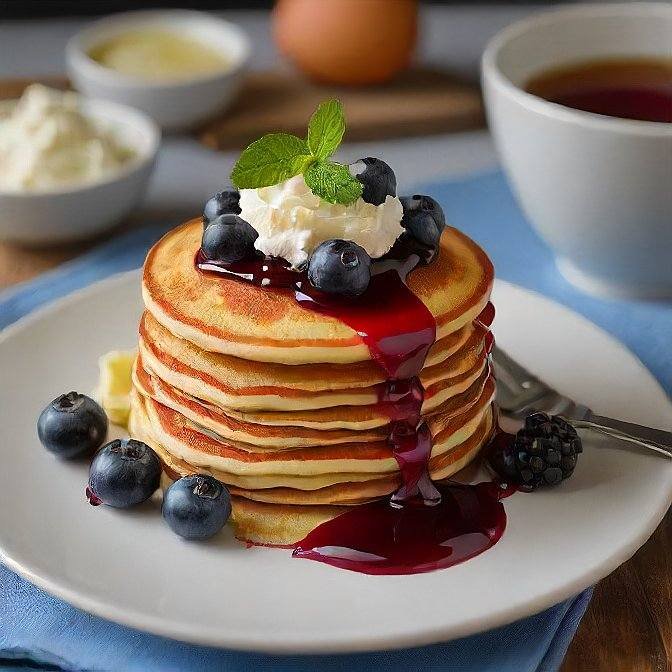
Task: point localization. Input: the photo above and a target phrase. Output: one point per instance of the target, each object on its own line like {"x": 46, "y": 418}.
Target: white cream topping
{"x": 292, "y": 221}
{"x": 46, "y": 142}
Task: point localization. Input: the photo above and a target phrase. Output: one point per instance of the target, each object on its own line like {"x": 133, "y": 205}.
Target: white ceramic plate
{"x": 129, "y": 567}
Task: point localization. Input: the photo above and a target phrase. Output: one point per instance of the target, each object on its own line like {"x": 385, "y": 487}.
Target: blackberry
{"x": 543, "y": 452}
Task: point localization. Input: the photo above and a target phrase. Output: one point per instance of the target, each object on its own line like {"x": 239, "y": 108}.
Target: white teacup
{"x": 598, "y": 189}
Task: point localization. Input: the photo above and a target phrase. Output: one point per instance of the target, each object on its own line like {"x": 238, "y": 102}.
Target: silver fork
{"x": 520, "y": 392}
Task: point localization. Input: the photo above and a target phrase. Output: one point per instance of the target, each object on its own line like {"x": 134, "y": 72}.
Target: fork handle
{"x": 654, "y": 439}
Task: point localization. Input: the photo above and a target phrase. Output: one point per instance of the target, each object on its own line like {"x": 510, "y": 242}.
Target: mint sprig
{"x": 269, "y": 160}
{"x": 333, "y": 182}
{"x": 278, "y": 156}
{"x": 326, "y": 129}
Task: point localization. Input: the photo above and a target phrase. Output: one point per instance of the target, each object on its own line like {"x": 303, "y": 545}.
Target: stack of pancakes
{"x": 281, "y": 403}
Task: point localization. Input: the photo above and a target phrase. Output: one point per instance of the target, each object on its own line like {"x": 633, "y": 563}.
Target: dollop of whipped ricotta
{"x": 46, "y": 142}
{"x": 291, "y": 221}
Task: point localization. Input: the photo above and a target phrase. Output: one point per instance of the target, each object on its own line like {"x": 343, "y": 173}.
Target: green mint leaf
{"x": 333, "y": 182}
{"x": 271, "y": 159}
{"x": 326, "y": 129}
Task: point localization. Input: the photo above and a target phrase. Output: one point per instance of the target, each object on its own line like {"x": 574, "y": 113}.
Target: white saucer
{"x": 129, "y": 567}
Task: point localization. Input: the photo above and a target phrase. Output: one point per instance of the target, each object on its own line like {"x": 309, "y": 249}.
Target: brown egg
{"x": 347, "y": 41}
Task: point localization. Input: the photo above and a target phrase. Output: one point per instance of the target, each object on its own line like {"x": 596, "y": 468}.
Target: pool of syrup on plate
{"x": 424, "y": 526}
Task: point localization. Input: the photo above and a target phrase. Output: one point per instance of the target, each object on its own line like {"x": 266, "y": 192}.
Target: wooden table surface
{"x": 628, "y": 625}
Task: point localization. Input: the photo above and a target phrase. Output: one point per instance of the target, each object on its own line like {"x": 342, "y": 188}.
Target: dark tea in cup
{"x": 629, "y": 88}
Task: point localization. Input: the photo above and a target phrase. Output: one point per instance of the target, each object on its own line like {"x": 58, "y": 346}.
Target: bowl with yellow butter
{"x": 181, "y": 67}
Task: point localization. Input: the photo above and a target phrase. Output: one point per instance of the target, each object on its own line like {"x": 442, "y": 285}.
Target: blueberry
{"x": 228, "y": 239}
{"x": 225, "y": 202}
{"x": 377, "y": 177}
{"x": 72, "y": 425}
{"x": 197, "y": 506}
{"x": 340, "y": 267}
{"x": 423, "y": 219}
{"x": 124, "y": 473}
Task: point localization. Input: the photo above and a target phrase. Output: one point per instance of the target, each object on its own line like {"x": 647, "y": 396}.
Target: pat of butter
{"x": 156, "y": 54}
{"x": 114, "y": 388}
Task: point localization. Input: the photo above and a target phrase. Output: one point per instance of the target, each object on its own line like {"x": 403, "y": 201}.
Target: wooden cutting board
{"x": 421, "y": 102}
{"x": 13, "y": 88}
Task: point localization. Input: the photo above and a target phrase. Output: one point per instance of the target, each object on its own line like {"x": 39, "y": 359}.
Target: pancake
{"x": 224, "y": 315}
{"x": 277, "y": 525}
{"x": 353, "y": 493}
{"x": 273, "y": 437}
{"x": 284, "y": 524}
{"x": 216, "y": 420}
{"x": 363, "y": 417}
{"x": 200, "y": 380}
{"x": 243, "y": 377}
{"x": 305, "y": 469}
{"x": 352, "y": 489}
{"x": 335, "y": 407}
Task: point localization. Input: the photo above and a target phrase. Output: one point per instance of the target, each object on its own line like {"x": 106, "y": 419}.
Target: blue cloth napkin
{"x": 38, "y": 630}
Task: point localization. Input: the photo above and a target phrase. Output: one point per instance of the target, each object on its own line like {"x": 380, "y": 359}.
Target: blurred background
{"x": 407, "y": 72}
{"x": 414, "y": 100}
{"x": 27, "y": 8}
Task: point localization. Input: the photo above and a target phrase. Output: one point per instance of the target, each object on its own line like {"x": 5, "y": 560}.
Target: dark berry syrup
{"x": 377, "y": 538}
{"x": 94, "y": 500}
{"x": 485, "y": 320}
{"x": 423, "y": 526}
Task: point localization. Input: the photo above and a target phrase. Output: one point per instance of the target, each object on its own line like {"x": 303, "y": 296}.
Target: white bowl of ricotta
{"x": 181, "y": 67}
{"x": 70, "y": 168}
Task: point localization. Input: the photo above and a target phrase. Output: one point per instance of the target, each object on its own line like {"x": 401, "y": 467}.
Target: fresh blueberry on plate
{"x": 226, "y": 202}
{"x": 196, "y": 507}
{"x": 72, "y": 425}
{"x": 423, "y": 219}
{"x": 340, "y": 267}
{"x": 228, "y": 239}
{"x": 123, "y": 473}
{"x": 377, "y": 178}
